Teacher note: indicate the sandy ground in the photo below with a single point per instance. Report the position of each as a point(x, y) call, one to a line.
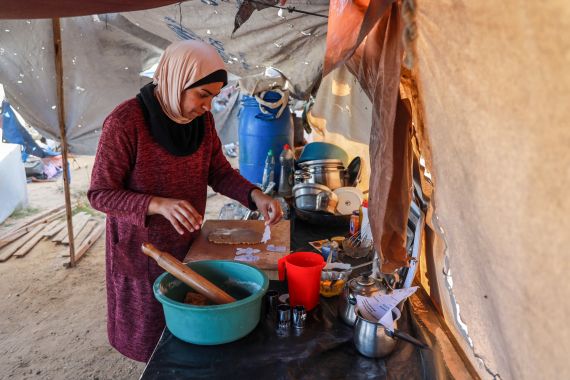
point(52, 319)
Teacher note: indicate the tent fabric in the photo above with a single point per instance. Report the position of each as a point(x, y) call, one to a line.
point(104, 54)
point(342, 115)
point(349, 23)
point(33, 9)
point(225, 109)
point(101, 67)
point(14, 132)
point(375, 61)
point(294, 44)
point(495, 88)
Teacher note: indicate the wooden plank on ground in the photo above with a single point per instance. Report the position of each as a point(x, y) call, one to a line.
point(35, 236)
point(50, 226)
point(12, 237)
point(61, 234)
point(9, 237)
point(10, 250)
point(77, 218)
point(35, 218)
point(78, 225)
point(91, 224)
point(60, 224)
point(87, 243)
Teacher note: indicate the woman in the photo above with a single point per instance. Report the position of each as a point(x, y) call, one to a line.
point(157, 154)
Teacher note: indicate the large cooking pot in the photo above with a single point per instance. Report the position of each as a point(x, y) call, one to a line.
point(314, 197)
point(331, 177)
point(330, 173)
point(215, 324)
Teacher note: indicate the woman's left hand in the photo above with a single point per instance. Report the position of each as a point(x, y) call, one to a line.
point(269, 207)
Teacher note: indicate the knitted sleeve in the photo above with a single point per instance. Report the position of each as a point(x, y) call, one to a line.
point(114, 160)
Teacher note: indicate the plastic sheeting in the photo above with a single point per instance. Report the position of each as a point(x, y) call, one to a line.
point(104, 54)
point(101, 67)
point(66, 8)
point(322, 350)
point(342, 115)
point(13, 132)
point(294, 43)
point(13, 189)
point(367, 37)
point(225, 109)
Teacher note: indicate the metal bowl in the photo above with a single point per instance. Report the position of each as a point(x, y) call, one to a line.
point(314, 197)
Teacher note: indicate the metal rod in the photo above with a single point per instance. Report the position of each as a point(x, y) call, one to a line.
point(62, 131)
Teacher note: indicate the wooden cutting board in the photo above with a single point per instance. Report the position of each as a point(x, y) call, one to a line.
point(202, 249)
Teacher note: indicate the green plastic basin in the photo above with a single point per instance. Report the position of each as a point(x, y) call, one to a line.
point(216, 324)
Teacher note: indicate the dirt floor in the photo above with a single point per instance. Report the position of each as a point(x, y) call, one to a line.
point(53, 319)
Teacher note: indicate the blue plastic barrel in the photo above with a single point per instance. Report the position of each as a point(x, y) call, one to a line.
point(259, 132)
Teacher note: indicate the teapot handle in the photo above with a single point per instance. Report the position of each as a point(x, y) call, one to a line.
point(351, 299)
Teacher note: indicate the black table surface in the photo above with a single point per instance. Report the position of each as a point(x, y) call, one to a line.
point(324, 349)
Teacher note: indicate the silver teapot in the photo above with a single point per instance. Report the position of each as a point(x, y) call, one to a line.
point(364, 285)
point(372, 339)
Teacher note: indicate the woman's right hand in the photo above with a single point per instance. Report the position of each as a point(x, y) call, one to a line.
point(181, 214)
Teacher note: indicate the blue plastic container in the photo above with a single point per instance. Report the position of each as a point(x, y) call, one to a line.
point(216, 324)
point(259, 132)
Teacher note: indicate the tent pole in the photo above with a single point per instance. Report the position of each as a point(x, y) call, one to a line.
point(63, 134)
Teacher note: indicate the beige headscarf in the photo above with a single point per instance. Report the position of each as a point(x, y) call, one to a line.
point(182, 64)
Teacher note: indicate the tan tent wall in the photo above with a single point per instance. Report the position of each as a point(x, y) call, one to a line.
point(496, 92)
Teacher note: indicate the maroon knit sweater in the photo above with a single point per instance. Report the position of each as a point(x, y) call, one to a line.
point(130, 168)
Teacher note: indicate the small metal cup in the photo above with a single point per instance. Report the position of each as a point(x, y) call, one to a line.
point(271, 301)
point(283, 316)
point(299, 317)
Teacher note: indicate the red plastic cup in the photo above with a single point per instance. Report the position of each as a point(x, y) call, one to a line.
point(303, 270)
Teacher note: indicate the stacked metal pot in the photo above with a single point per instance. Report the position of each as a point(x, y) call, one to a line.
point(315, 182)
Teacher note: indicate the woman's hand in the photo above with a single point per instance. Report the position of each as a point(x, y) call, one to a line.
point(181, 214)
point(269, 207)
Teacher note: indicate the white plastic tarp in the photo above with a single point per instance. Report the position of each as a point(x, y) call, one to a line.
point(342, 115)
point(104, 55)
point(13, 190)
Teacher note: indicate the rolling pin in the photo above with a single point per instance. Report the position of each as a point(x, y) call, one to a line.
point(173, 266)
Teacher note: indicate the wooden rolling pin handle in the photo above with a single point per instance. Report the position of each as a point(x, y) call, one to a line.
point(173, 266)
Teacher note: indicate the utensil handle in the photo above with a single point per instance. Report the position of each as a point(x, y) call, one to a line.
point(408, 338)
point(173, 266)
